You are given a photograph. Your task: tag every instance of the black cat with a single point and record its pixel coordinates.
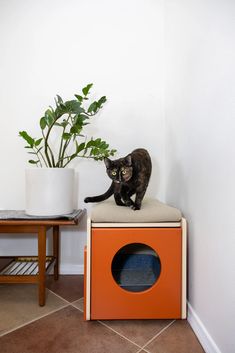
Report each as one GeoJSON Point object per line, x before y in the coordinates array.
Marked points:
{"type": "Point", "coordinates": [130, 175]}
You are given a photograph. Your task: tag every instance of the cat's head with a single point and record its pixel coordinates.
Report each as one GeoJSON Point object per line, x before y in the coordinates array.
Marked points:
{"type": "Point", "coordinates": [119, 170]}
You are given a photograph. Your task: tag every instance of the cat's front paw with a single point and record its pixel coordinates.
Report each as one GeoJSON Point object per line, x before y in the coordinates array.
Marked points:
{"type": "Point", "coordinates": [129, 203]}
{"type": "Point", "coordinates": [135, 207]}
{"type": "Point", "coordinates": [120, 203]}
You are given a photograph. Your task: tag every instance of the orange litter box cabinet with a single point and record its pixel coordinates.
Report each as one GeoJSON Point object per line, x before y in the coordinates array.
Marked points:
{"type": "Point", "coordinates": [135, 263]}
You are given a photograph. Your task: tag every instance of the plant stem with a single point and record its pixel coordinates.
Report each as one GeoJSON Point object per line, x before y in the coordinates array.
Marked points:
{"type": "Point", "coordinates": [88, 157]}
{"type": "Point", "coordinates": [44, 160]}
{"type": "Point", "coordinates": [61, 144]}
{"type": "Point", "coordinates": [52, 156]}
{"type": "Point", "coordinates": [47, 147]}
{"type": "Point", "coordinates": [36, 151]}
{"type": "Point", "coordinates": [63, 151]}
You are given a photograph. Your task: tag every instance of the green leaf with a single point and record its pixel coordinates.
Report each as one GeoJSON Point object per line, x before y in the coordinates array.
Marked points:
{"type": "Point", "coordinates": [79, 121]}
{"type": "Point", "coordinates": [79, 98]}
{"type": "Point", "coordinates": [91, 143]}
{"type": "Point", "coordinates": [43, 123]}
{"type": "Point", "coordinates": [75, 129]}
{"type": "Point", "coordinates": [37, 142]}
{"type": "Point", "coordinates": [80, 147]}
{"type": "Point", "coordinates": [64, 123]}
{"type": "Point", "coordinates": [74, 107]}
{"type": "Point", "coordinates": [112, 152]}
{"type": "Point", "coordinates": [49, 117]}
{"type": "Point", "coordinates": [59, 99]}
{"type": "Point", "coordinates": [31, 161]}
{"type": "Point", "coordinates": [86, 89]}
{"type": "Point", "coordinates": [66, 135]}
{"type": "Point", "coordinates": [27, 138]}
{"type": "Point", "coordinates": [101, 101]}
{"type": "Point", "coordinates": [60, 110]}
{"type": "Point", "coordinates": [74, 155]}
{"type": "Point", "coordinates": [103, 145]}
{"type": "Point", "coordinates": [83, 117]}
{"type": "Point", "coordinates": [97, 142]}
{"type": "Point", "coordinates": [95, 151]}
{"type": "Point", "coordinates": [93, 107]}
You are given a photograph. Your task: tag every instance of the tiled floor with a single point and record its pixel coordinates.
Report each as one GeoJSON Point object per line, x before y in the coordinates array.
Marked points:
{"type": "Point", "coordinates": [59, 326]}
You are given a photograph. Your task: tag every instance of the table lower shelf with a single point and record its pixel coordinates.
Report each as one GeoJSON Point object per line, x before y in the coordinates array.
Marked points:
{"type": "Point", "coordinates": [21, 267]}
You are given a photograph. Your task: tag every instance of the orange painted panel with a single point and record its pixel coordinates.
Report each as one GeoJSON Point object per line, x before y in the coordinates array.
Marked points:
{"type": "Point", "coordinates": [162, 300]}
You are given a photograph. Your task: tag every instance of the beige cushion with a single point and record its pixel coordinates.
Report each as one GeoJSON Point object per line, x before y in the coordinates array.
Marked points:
{"type": "Point", "coordinates": [152, 211]}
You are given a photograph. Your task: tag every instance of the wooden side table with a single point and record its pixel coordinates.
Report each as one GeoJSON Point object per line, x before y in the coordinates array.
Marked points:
{"type": "Point", "coordinates": [32, 269]}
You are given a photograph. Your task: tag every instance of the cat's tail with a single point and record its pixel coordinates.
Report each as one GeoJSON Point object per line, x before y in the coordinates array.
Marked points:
{"type": "Point", "coordinates": [102, 197]}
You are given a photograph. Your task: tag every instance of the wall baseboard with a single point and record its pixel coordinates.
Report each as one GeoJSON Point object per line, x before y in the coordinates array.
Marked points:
{"type": "Point", "coordinates": [201, 332]}
{"type": "Point", "coordinates": [70, 269]}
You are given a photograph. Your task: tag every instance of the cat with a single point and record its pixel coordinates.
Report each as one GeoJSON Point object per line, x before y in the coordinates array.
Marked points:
{"type": "Point", "coordinates": [130, 175]}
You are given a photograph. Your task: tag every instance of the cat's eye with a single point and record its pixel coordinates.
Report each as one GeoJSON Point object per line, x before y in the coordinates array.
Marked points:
{"type": "Point", "coordinates": [114, 173]}
{"type": "Point", "coordinates": [123, 171]}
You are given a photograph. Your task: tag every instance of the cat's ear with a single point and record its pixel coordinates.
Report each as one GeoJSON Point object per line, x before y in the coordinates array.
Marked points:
{"type": "Point", "coordinates": [107, 162]}
{"type": "Point", "coordinates": [128, 160]}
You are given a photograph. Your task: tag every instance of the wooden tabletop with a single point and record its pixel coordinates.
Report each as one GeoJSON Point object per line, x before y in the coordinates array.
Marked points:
{"type": "Point", "coordinates": [72, 219]}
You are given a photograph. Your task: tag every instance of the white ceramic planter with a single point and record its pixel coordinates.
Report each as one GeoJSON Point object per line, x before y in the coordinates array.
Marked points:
{"type": "Point", "coordinates": [49, 191]}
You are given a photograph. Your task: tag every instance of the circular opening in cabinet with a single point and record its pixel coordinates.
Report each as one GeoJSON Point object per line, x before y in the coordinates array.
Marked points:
{"type": "Point", "coordinates": [136, 267]}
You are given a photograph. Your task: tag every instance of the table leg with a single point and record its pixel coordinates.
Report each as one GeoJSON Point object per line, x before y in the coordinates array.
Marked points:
{"type": "Point", "coordinates": [56, 241]}
{"type": "Point", "coordinates": [41, 264]}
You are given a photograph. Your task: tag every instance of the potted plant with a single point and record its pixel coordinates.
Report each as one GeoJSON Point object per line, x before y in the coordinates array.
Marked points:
{"type": "Point", "coordinates": [62, 140]}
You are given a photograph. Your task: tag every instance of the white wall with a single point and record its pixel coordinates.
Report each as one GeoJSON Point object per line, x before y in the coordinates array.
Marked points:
{"type": "Point", "coordinates": [200, 125]}
{"type": "Point", "coordinates": [57, 47]}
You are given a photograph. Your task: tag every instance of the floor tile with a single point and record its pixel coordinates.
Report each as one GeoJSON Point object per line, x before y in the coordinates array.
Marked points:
{"type": "Point", "coordinates": [69, 287]}
{"type": "Point", "coordinates": [59, 327]}
{"type": "Point", "coordinates": [138, 331]}
{"type": "Point", "coordinates": [178, 338]}
{"type": "Point", "coordinates": [65, 331]}
{"type": "Point", "coordinates": [79, 304]}
{"type": "Point", "coordinates": [19, 305]}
